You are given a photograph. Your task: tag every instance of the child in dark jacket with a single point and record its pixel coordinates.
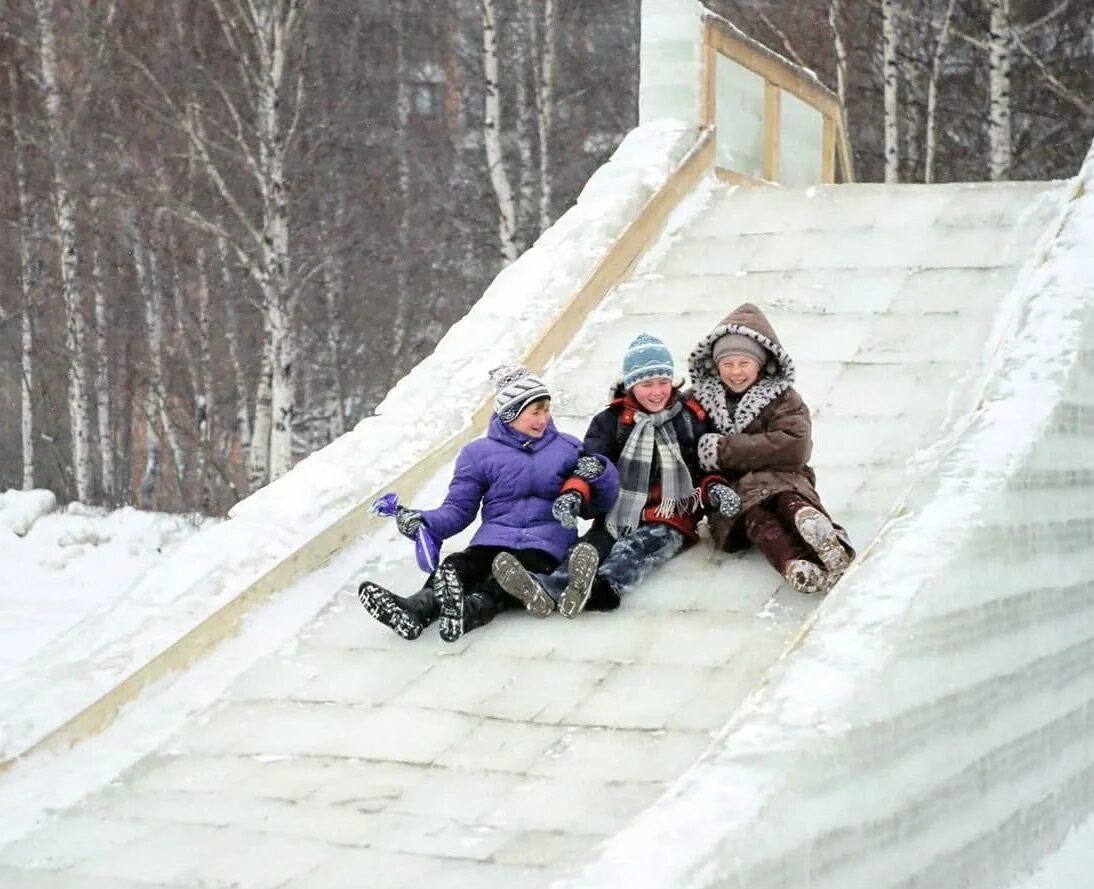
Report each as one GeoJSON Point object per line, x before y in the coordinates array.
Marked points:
{"type": "Point", "coordinates": [744, 378]}
{"type": "Point", "coordinates": [650, 430]}
{"type": "Point", "coordinates": [517, 472]}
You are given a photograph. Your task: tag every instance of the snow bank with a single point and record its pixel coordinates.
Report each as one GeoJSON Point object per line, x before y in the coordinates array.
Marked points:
{"type": "Point", "coordinates": [936, 725]}
{"type": "Point", "coordinates": [209, 570]}
{"type": "Point", "coordinates": [19, 510]}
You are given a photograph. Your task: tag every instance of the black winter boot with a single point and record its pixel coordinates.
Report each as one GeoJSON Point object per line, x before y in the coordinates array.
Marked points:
{"type": "Point", "coordinates": [406, 617]}
{"type": "Point", "coordinates": [449, 589]}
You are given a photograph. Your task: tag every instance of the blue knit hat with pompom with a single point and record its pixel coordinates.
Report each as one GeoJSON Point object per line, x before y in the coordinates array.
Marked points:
{"type": "Point", "coordinates": [646, 358]}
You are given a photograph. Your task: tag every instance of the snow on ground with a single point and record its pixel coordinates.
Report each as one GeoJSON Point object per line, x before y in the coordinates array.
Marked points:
{"type": "Point", "coordinates": [57, 565]}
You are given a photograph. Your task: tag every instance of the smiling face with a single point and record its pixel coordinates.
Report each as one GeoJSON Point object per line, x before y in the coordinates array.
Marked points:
{"type": "Point", "coordinates": [738, 372]}
{"type": "Point", "coordinates": [533, 420]}
{"type": "Point", "coordinates": [653, 394]}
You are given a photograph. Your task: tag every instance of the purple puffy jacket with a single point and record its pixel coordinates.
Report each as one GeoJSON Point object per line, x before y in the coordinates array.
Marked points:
{"type": "Point", "coordinates": [516, 480]}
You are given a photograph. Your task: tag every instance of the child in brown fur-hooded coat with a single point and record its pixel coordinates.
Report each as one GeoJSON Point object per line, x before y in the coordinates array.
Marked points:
{"type": "Point", "coordinates": [744, 379]}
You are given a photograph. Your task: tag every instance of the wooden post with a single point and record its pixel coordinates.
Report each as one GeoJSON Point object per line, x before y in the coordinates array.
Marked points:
{"type": "Point", "coordinates": [772, 105]}
{"type": "Point", "coordinates": [828, 151]}
{"type": "Point", "coordinates": [708, 88]}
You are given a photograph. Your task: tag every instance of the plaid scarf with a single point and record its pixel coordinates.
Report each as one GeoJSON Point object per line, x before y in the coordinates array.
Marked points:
{"type": "Point", "coordinates": [652, 434]}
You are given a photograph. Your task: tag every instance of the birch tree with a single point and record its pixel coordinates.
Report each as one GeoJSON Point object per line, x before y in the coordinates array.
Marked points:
{"type": "Point", "coordinates": [999, 77]}
{"type": "Point", "coordinates": [543, 47]}
{"type": "Point", "coordinates": [64, 214]}
{"type": "Point", "coordinates": [499, 177]}
{"type": "Point", "coordinates": [266, 42]}
{"type": "Point", "coordinates": [891, 79]}
{"type": "Point", "coordinates": [23, 216]}
{"type": "Point", "coordinates": [932, 92]}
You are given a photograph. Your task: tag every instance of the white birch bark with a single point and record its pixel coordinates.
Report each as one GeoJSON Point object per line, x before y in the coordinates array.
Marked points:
{"type": "Point", "coordinates": [27, 286]}
{"type": "Point", "coordinates": [932, 93]}
{"type": "Point", "coordinates": [64, 211]}
{"type": "Point", "coordinates": [543, 43]}
{"type": "Point", "coordinates": [333, 283]}
{"type": "Point", "coordinates": [102, 366]}
{"type": "Point", "coordinates": [835, 9]}
{"type": "Point", "coordinates": [273, 32]}
{"type": "Point", "coordinates": [891, 76]}
{"type": "Point", "coordinates": [999, 70]}
{"type": "Point", "coordinates": [499, 178]}
{"type": "Point", "coordinates": [258, 469]}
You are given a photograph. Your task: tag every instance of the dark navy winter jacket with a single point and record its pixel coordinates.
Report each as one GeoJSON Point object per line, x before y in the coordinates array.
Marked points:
{"type": "Point", "coordinates": [516, 480]}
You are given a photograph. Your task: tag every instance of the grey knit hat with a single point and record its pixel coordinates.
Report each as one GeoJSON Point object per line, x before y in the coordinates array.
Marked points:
{"type": "Point", "coordinates": [738, 344]}
{"type": "Point", "coordinates": [515, 387]}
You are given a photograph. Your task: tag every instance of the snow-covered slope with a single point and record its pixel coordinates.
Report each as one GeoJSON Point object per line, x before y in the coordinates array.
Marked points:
{"type": "Point", "coordinates": [348, 757]}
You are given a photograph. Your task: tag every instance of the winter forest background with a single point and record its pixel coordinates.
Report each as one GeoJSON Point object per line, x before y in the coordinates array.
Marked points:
{"type": "Point", "coordinates": [229, 226]}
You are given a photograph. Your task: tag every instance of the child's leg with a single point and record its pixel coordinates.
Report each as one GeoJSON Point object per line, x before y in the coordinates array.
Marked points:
{"type": "Point", "coordinates": [407, 617]}
{"type": "Point", "coordinates": [783, 549]}
{"type": "Point", "coordinates": [458, 573]}
{"type": "Point", "coordinates": [815, 530]}
{"type": "Point", "coordinates": [633, 557]}
{"type": "Point", "coordinates": [488, 597]}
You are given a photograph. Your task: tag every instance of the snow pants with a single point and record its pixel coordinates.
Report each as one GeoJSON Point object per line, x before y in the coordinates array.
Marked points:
{"type": "Point", "coordinates": [483, 598]}
{"type": "Point", "coordinates": [771, 529]}
{"type": "Point", "coordinates": [623, 562]}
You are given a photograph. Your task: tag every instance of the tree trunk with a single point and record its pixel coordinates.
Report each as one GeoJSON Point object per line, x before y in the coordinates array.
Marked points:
{"type": "Point", "coordinates": [27, 285]}
{"type": "Point", "coordinates": [543, 44]}
{"type": "Point", "coordinates": [525, 56]}
{"type": "Point", "coordinates": [204, 393]}
{"type": "Point", "coordinates": [999, 61]}
{"type": "Point", "coordinates": [891, 75]}
{"type": "Point", "coordinates": [400, 320]}
{"type": "Point", "coordinates": [102, 367]}
{"type": "Point", "coordinates": [840, 49]}
{"type": "Point", "coordinates": [499, 178]}
{"type": "Point", "coordinates": [932, 93]}
{"type": "Point", "coordinates": [231, 333]}
{"type": "Point", "coordinates": [64, 211]}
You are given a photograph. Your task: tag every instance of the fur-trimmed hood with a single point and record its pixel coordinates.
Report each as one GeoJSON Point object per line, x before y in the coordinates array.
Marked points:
{"type": "Point", "coordinates": [777, 377]}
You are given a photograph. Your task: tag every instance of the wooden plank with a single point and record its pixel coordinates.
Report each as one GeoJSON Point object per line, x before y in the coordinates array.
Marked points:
{"type": "Point", "coordinates": [732, 177]}
{"type": "Point", "coordinates": [772, 128]}
{"type": "Point", "coordinates": [708, 83]}
{"type": "Point", "coordinates": [828, 151]}
{"type": "Point", "coordinates": [771, 67]}
{"type": "Point", "coordinates": [616, 263]}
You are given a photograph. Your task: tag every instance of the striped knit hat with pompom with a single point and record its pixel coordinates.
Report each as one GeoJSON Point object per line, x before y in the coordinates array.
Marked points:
{"type": "Point", "coordinates": [515, 387]}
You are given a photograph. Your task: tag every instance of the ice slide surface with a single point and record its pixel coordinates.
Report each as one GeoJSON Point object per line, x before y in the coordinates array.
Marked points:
{"type": "Point", "coordinates": [350, 758]}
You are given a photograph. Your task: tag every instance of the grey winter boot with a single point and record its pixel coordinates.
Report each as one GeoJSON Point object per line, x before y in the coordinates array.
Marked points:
{"type": "Point", "coordinates": [817, 531]}
{"type": "Point", "coordinates": [806, 577]}
{"type": "Point", "coordinates": [449, 590]}
{"type": "Point", "coordinates": [519, 583]}
{"type": "Point", "coordinates": [583, 562]}
{"type": "Point", "coordinates": [401, 615]}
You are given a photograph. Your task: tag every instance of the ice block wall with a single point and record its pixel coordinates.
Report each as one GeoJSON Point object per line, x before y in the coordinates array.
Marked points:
{"type": "Point", "coordinates": [935, 727]}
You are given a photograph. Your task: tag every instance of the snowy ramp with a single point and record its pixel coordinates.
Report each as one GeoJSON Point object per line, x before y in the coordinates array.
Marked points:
{"type": "Point", "coordinates": [350, 758]}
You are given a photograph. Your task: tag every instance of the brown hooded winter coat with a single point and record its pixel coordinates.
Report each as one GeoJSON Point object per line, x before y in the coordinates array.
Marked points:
{"type": "Point", "coordinates": [764, 438]}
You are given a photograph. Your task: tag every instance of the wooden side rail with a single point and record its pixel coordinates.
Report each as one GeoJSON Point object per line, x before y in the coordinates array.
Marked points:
{"type": "Point", "coordinates": [721, 39]}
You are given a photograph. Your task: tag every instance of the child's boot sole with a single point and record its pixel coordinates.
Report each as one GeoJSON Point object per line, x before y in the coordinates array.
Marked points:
{"type": "Point", "coordinates": [451, 596]}
{"type": "Point", "coordinates": [381, 605]}
{"type": "Point", "coordinates": [583, 562]}
{"type": "Point", "coordinates": [817, 531]}
{"type": "Point", "coordinates": [805, 577]}
{"type": "Point", "coordinates": [514, 578]}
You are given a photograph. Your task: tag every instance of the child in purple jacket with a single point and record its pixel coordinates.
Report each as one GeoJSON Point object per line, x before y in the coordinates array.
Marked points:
{"type": "Point", "coordinates": [518, 473]}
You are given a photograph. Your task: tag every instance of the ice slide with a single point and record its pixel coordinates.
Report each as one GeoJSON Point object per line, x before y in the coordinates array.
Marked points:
{"type": "Point", "coordinates": [946, 676]}
{"type": "Point", "coordinates": [928, 723]}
